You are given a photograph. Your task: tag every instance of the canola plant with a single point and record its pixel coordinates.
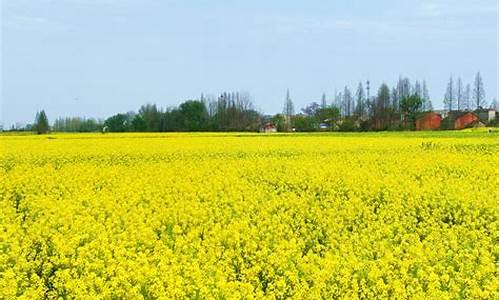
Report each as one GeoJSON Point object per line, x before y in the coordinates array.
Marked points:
{"type": "Point", "coordinates": [248, 216]}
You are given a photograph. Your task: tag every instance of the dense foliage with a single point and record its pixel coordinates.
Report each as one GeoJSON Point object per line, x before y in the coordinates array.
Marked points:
{"type": "Point", "coordinates": [41, 124]}
{"type": "Point", "coordinates": [175, 216]}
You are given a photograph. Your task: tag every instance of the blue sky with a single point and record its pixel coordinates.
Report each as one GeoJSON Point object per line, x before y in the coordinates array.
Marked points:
{"type": "Point", "coordinates": [95, 58]}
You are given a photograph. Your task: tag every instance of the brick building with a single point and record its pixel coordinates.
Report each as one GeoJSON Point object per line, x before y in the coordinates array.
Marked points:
{"type": "Point", "coordinates": [466, 120]}
{"type": "Point", "coordinates": [428, 121]}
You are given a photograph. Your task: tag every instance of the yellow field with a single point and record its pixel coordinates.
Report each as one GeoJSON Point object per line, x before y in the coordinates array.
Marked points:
{"type": "Point", "coordinates": [230, 216]}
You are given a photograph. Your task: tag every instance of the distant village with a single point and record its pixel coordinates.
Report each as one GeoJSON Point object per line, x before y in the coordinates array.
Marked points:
{"type": "Point", "coordinates": [431, 120]}
{"type": "Point", "coordinates": [406, 106]}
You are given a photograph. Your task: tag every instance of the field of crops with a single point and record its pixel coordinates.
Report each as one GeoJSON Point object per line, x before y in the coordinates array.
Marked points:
{"type": "Point", "coordinates": [232, 216]}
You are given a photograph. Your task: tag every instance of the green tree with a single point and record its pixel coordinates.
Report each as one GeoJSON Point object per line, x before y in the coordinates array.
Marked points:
{"type": "Point", "coordinates": [41, 122]}
{"type": "Point", "coordinates": [410, 107]}
{"type": "Point", "coordinates": [304, 122]}
{"type": "Point", "coordinates": [138, 123]}
{"type": "Point", "coordinates": [329, 115]}
{"type": "Point", "coordinates": [76, 124]}
{"type": "Point", "coordinates": [279, 120]}
{"type": "Point", "coordinates": [382, 109]}
{"type": "Point", "coordinates": [117, 123]}
{"type": "Point", "coordinates": [194, 115]}
{"type": "Point", "coordinates": [152, 117]}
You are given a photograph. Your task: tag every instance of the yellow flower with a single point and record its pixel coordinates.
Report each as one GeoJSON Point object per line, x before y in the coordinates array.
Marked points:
{"type": "Point", "coordinates": [246, 216]}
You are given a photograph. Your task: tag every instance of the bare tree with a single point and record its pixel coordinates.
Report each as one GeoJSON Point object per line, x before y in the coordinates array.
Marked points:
{"type": "Point", "coordinates": [494, 104]}
{"type": "Point", "coordinates": [338, 100]}
{"type": "Point", "coordinates": [323, 101]}
{"type": "Point", "coordinates": [417, 89]}
{"type": "Point", "coordinates": [460, 94]}
{"type": "Point", "coordinates": [449, 96]}
{"type": "Point", "coordinates": [467, 100]}
{"type": "Point", "coordinates": [426, 98]}
{"type": "Point", "coordinates": [478, 92]}
{"type": "Point", "coordinates": [347, 101]}
{"type": "Point", "coordinates": [395, 99]}
{"type": "Point", "coordinates": [404, 89]}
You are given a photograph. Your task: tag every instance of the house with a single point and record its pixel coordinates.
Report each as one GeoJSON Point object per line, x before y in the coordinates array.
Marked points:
{"type": "Point", "coordinates": [428, 121]}
{"type": "Point", "coordinates": [459, 120]}
{"type": "Point", "coordinates": [268, 128]}
{"type": "Point", "coordinates": [467, 120]}
{"type": "Point", "coordinates": [486, 115]}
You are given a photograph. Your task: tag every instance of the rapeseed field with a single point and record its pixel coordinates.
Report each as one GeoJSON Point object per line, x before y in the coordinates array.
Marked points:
{"type": "Point", "coordinates": [249, 216]}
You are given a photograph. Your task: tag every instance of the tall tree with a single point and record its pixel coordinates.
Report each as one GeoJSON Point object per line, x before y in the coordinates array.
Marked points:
{"type": "Point", "coordinates": [288, 111]}
{"type": "Point", "coordinates": [417, 89]}
{"type": "Point", "coordinates": [467, 100]}
{"type": "Point", "coordinates": [478, 91]}
{"type": "Point", "coordinates": [404, 89]}
{"type": "Point", "coordinates": [395, 99]}
{"type": "Point", "coordinates": [410, 107]}
{"type": "Point", "coordinates": [338, 100]}
{"type": "Point", "coordinates": [41, 122]}
{"type": "Point", "coordinates": [460, 94]}
{"type": "Point", "coordinates": [382, 107]}
{"type": "Point", "coordinates": [323, 101]}
{"type": "Point", "coordinates": [449, 96]}
{"type": "Point", "coordinates": [347, 102]}
{"type": "Point", "coordinates": [138, 123]}
{"type": "Point", "coordinates": [151, 116]}
{"type": "Point", "coordinates": [426, 98]}
{"type": "Point", "coordinates": [360, 110]}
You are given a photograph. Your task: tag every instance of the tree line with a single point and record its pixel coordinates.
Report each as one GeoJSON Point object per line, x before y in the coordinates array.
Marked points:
{"type": "Point", "coordinates": [464, 97]}
{"type": "Point", "coordinates": [391, 108]}
{"type": "Point", "coordinates": [231, 111]}
{"type": "Point", "coordinates": [394, 108]}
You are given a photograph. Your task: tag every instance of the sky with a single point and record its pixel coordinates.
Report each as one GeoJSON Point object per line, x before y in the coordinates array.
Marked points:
{"type": "Point", "coordinates": [95, 58]}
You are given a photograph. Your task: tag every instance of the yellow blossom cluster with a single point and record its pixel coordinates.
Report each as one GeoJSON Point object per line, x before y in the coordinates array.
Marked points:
{"type": "Point", "coordinates": [249, 216]}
